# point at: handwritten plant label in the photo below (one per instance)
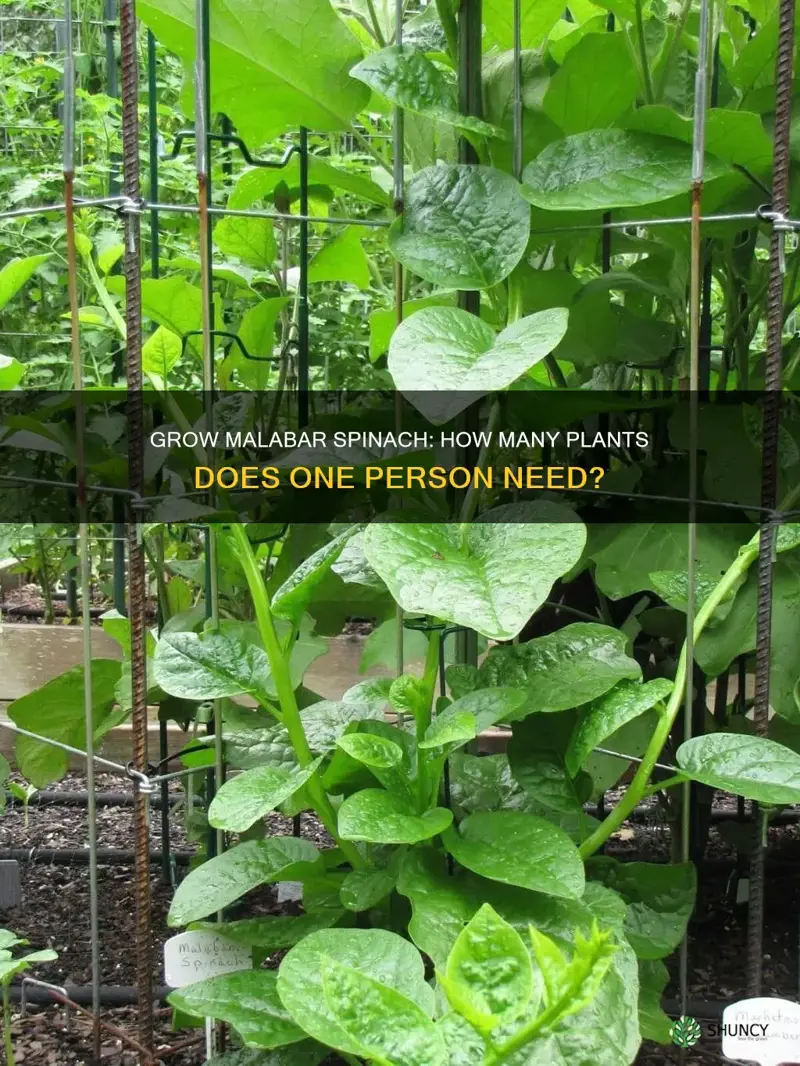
(764, 1030)
(199, 953)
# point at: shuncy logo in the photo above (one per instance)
(685, 1032)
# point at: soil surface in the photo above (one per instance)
(55, 913)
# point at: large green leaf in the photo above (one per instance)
(518, 849)
(294, 594)
(626, 558)
(602, 331)
(250, 239)
(363, 889)
(732, 136)
(172, 303)
(444, 350)
(660, 901)
(222, 880)
(325, 721)
(382, 817)
(410, 80)
(467, 717)
(221, 662)
(602, 169)
(605, 715)
(654, 1023)
(56, 710)
(484, 783)
(16, 272)
(342, 259)
(264, 78)
(463, 226)
(246, 798)
(259, 183)
(736, 634)
(578, 103)
(489, 978)
(563, 669)
(375, 953)
(384, 1024)
(753, 767)
(161, 352)
(536, 754)
(490, 575)
(248, 1000)
(257, 334)
(537, 18)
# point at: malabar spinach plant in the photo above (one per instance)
(522, 934)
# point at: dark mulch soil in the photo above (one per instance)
(26, 604)
(54, 913)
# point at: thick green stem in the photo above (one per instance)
(638, 787)
(376, 26)
(10, 1060)
(444, 9)
(526, 1034)
(673, 48)
(470, 504)
(290, 712)
(642, 45)
(423, 719)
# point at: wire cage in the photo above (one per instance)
(138, 201)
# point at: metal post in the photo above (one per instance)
(302, 304)
(398, 191)
(470, 31)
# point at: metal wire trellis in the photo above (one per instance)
(130, 206)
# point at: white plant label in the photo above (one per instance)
(764, 1030)
(199, 953)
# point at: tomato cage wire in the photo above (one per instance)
(131, 207)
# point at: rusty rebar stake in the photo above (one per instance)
(136, 556)
(769, 461)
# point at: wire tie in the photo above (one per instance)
(781, 225)
(130, 205)
(142, 781)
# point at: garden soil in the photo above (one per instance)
(55, 913)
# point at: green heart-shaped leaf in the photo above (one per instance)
(249, 796)
(375, 953)
(463, 226)
(753, 767)
(607, 168)
(220, 881)
(490, 575)
(248, 1000)
(382, 817)
(443, 350)
(518, 849)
